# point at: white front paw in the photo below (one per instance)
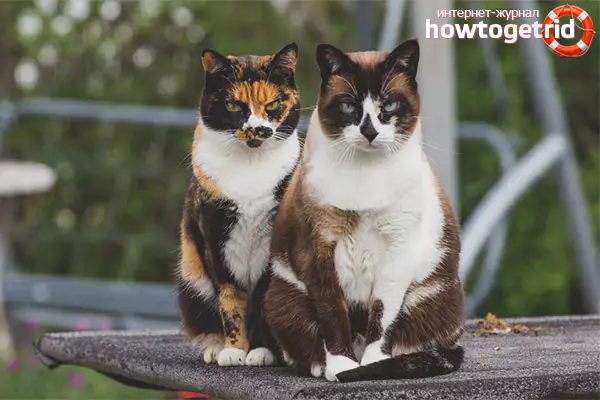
(211, 352)
(316, 369)
(373, 354)
(336, 364)
(231, 357)
(260, 357)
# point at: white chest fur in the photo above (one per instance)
(247, 250)
(398, 237)
(248, 177)
(383, 241)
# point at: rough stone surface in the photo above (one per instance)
(561, 362)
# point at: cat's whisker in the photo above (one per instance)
(386, 84)
(432, 146)
(350, 84)
(388, 88)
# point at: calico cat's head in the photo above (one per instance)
(251, 98)
(369, 100)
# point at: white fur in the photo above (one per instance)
(286, 273)
(211, 346)
(248, 177)
(397, 241)
(382, 180)
(211, 353)
(202, 287)
(419, 294)
(386, 132)
(356, 259)
(260, 357)
(230, 356)
(373, 353)
(288, 359)
(334, 364)
(255, 121)
(316, 369)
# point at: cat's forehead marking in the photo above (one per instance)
(368, 59)
(256, 93)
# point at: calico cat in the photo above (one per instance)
(245, 149)
(365, 248)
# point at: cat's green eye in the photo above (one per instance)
(391, 107)
(272, 106)
(347, 108)
(232, 107)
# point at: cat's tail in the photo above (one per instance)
(422, 364)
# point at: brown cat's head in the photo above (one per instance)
(252, 98)
(369, 100)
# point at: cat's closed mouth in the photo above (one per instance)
(254, 143)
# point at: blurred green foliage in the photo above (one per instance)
(26, 378)
(114, 213)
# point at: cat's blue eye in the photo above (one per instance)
(391, 107)
(347, 108)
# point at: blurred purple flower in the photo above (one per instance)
(13, 365)
(76, 379)
(32, 326)
(82, 325)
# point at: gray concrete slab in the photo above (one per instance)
(562, 361)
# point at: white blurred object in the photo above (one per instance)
(16, 178)
(19, 177)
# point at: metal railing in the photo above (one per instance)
(555, 151)
(128, 304)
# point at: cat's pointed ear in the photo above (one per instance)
(404, 58)
(215, 62)
(284, 62)
(331, 60)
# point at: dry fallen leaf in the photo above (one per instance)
(492, 325)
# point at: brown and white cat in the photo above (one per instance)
(244, 151)
(365, 247)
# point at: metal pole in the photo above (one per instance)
(7, 345)
(436, 87)
(392, 22)
(504, 194)
(364, 25)
(552, 119)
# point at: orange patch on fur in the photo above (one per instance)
(256, 94)
(190, 263)
(233, 305)
(207, 183)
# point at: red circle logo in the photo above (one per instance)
(577, 13)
